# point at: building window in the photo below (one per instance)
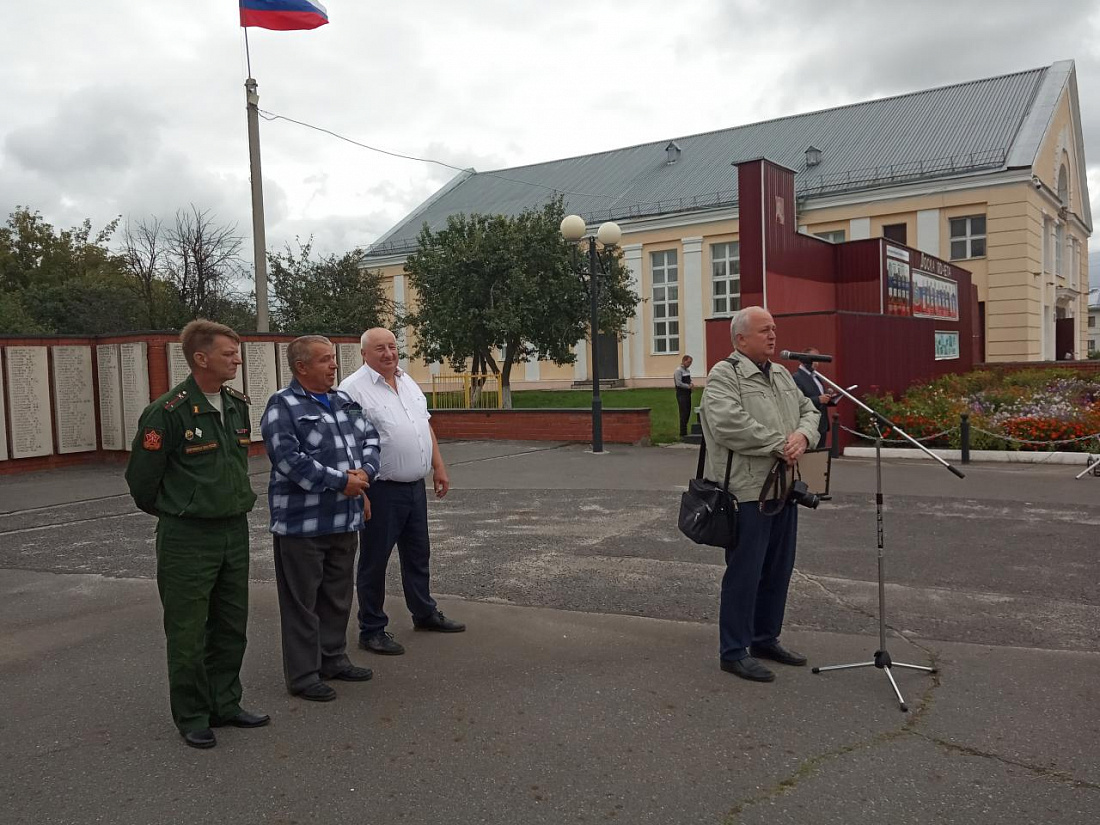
(1048, 245)
(1059, 249)
(725, 273)
(896, 232)
(968, 237)
(666, 301)
(1092, 346)
(1092, 322)
(837, 236)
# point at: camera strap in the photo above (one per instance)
(773, 495)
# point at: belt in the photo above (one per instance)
(391, 481)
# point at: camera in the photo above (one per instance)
(800, 494)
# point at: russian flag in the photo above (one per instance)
(283, 15)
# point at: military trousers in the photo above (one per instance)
(202, 576)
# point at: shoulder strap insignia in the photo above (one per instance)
(233, 391)
(176, 400)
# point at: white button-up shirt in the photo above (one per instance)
(401, 419)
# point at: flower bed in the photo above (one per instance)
(1006, 410)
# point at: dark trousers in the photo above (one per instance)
(202, 577)
(399, 515)
(758, 572)
(683, 400)
(315, 577)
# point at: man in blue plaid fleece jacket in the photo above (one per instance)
(324, 454)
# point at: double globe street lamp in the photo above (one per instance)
(573, 229)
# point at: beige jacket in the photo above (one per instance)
(752, 415)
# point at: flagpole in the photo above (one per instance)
(259, 235)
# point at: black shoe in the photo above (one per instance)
(201, 739)
(748, 668)
(439, 623)
(352, 674)
(317, 692)
(778, 653)
(244, 719)
(381, 642)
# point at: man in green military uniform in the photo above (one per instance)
(189, 468)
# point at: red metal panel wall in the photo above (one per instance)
(800, 269)
(749, 215)
(859, 276)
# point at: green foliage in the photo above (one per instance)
(326, 294)
(490, 282)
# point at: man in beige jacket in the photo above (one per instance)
(754, 409)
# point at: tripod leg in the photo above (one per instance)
(915, 667)
(842, 667)
(901, 700)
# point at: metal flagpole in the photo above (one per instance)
(259, 235)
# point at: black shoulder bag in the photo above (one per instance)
(708, 512)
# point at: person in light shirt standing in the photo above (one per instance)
(398, 501)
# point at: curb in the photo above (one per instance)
(1004, 456)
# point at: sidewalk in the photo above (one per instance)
(540, 714)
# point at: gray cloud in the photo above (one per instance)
(115, 124)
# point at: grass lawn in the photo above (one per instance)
(664, 417)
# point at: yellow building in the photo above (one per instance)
(989, 174)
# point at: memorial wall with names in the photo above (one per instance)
(178, 370)
(110, 397)
(134, 367)
(3, 414)
(27, 380)
(261, 379)
(349, 359)
(73, 399)
(284, 368)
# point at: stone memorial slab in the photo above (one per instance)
(237, 382)
(260, 379)
(283, 366)
(28, 391)
(110, 397)
(73, 399)
(177, 364)
(348, 359)
(3, 416)
(134, 368)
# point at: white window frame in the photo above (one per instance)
(1060, 249)
(725, 277)
(968, 238)
(833, 236)
(664, 293)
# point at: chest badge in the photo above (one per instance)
(189, 435)
(198, 432)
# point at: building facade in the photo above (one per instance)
(989, 175)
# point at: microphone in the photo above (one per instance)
(804, 357)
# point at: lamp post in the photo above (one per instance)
(573, 229)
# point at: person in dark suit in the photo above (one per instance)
(820, 396)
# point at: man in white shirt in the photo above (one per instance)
(397, 499)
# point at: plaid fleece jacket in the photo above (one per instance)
(311, 449)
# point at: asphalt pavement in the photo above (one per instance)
(587, 687)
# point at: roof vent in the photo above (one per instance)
(673, 152)
(813, 156)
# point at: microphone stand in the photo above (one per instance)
(882, 658)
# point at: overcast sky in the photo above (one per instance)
(115, 107)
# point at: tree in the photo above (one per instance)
(61, 280)
(326, 294)
(203, 264)
(489, 283)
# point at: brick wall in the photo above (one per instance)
(620, 426)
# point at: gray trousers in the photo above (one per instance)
(315, 579)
